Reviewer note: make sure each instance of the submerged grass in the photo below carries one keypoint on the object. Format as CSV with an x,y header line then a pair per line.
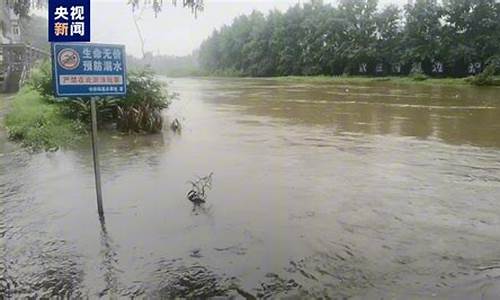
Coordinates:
x,y
38,120
367,79
38,124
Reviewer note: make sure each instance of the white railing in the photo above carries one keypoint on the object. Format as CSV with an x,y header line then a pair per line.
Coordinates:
x,y
18,60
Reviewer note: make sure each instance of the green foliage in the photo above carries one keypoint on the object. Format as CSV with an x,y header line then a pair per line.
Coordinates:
x,y
419,77
139,111
321,39
41,79
388,46
226,73
471,30
38,124
144,89
156,5
487,77
23,7
79,109
422,31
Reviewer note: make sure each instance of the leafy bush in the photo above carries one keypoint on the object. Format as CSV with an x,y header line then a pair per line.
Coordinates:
x,y
487,77
38,124
418,76
139,111
41,79
79,109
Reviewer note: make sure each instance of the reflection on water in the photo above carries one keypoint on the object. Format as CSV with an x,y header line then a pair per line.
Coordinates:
x,y
463,115
321,190
109,262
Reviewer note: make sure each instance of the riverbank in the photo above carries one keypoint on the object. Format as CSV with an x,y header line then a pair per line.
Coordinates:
x,y
406,80
369,79
38,120
38,124
364,79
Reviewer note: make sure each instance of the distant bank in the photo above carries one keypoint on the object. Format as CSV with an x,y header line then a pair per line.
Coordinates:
x,y
420,80
394,79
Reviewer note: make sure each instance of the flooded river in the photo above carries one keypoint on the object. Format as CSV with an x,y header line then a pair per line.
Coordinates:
x,y
363,191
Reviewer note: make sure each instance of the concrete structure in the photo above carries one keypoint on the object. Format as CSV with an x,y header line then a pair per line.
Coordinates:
x,y
10,28
16,58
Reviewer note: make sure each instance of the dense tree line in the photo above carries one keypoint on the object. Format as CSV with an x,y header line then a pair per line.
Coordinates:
x,y
452,37
24,7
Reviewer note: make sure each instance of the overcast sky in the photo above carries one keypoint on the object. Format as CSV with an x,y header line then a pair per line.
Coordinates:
x,y
175,31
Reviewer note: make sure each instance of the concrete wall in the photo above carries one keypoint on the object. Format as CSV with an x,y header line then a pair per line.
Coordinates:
x,y
10,29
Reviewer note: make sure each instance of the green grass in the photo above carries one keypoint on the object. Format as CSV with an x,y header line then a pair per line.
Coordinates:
x,y
38,124
366,79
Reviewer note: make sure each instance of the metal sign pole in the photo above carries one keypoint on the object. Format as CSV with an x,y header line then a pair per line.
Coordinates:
x,y
75,76
97,168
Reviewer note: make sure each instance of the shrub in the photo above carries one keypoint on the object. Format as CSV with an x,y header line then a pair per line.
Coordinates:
x,y
487,77
79,109
139,111
418,76
41,79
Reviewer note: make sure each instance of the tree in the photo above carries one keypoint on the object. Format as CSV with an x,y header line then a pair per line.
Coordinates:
x,y
355,36
333,28
23,7
157,5
389,35
292,47
209,55
255,50
360,32
422,34
471,31
313,37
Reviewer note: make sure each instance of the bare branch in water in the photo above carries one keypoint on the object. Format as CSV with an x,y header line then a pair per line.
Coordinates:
x,y
199,188
176,126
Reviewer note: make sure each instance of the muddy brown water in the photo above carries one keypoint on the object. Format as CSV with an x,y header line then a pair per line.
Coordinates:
x,y
362,191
